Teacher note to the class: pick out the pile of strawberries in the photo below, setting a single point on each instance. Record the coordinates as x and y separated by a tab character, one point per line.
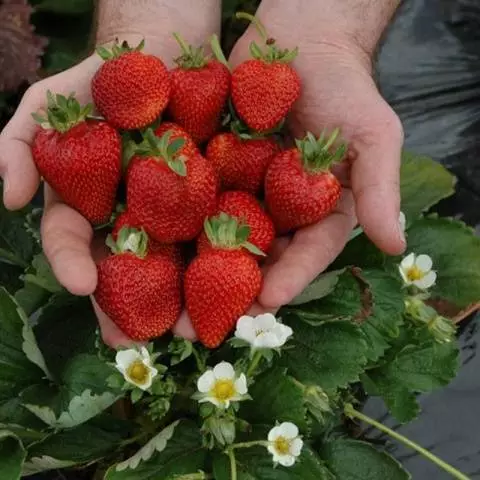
194	229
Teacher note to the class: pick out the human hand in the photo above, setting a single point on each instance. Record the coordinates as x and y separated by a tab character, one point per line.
337	91
66	235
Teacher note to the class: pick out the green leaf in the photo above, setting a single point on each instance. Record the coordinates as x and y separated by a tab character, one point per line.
354	460
322	286
276	397
41	274
256	464
413	369
386	316
178	452
331	355
17	245
44	463
17	372
423	183
455	252
12	456
31	297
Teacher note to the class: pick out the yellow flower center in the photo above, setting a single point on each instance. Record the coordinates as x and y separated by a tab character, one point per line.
282	445
223	390
415	273
259	332
138	372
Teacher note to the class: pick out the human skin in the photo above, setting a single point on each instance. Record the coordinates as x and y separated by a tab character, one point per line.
336	39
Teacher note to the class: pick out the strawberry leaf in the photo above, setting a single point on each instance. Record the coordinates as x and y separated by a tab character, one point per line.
354	460
12	455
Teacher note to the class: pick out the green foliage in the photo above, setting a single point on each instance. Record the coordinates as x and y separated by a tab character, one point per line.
12	455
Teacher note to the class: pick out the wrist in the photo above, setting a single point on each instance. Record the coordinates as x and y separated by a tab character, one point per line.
155	21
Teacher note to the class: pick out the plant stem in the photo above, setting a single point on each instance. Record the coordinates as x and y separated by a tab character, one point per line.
254	363
256	22
181	42
198	360
352	413
217	50
254	443
233	464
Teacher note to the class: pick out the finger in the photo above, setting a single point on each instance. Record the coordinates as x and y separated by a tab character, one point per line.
257	309
184	328
111	334
376	187
310	252
66	238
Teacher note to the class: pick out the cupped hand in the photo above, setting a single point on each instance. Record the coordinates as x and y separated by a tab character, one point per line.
337	91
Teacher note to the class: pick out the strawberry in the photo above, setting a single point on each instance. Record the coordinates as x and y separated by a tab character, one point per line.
131	89
169	250
139	291
169	191
200	88
246	209
79	158
221	284
265	88
241	163
188	148
299	188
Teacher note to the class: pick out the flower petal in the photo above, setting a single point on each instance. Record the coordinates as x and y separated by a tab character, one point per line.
274	433
224	370
296	446
283	333
265	321
403	274
241	384
288	430
272	450
424	263
267	340
408	261
125	358
245	329
145	354
427	281
206	382
286	460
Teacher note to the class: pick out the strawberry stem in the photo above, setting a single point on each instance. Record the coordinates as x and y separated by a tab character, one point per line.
62	113
129	240
317	154
191	57
226	232
118	49
217	50
256	22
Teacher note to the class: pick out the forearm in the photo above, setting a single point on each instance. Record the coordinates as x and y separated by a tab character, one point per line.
357	21
157	19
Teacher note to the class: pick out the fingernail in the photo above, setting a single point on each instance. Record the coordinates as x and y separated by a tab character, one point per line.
402	221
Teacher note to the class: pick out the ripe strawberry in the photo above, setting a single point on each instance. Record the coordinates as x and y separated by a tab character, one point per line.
188	148
221	284
169	191
299	188
247	211
79	158
265	88
170	250
241	163
200	88
139	291
131	89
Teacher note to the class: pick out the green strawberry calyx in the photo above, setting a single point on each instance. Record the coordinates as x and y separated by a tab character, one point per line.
164	149
118	49
191	57
271	53
129	240
226	232
318	155
62	112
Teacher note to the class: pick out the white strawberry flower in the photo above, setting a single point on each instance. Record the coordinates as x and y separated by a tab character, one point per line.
417	270
136	367
402	221
221	386
285	444
262	331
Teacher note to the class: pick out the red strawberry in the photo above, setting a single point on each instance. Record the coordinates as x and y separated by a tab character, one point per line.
188	148
79	158
170	194
221	285
265	88
200	88
131	89
246	210
299	188
139	291
170	250
241	163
